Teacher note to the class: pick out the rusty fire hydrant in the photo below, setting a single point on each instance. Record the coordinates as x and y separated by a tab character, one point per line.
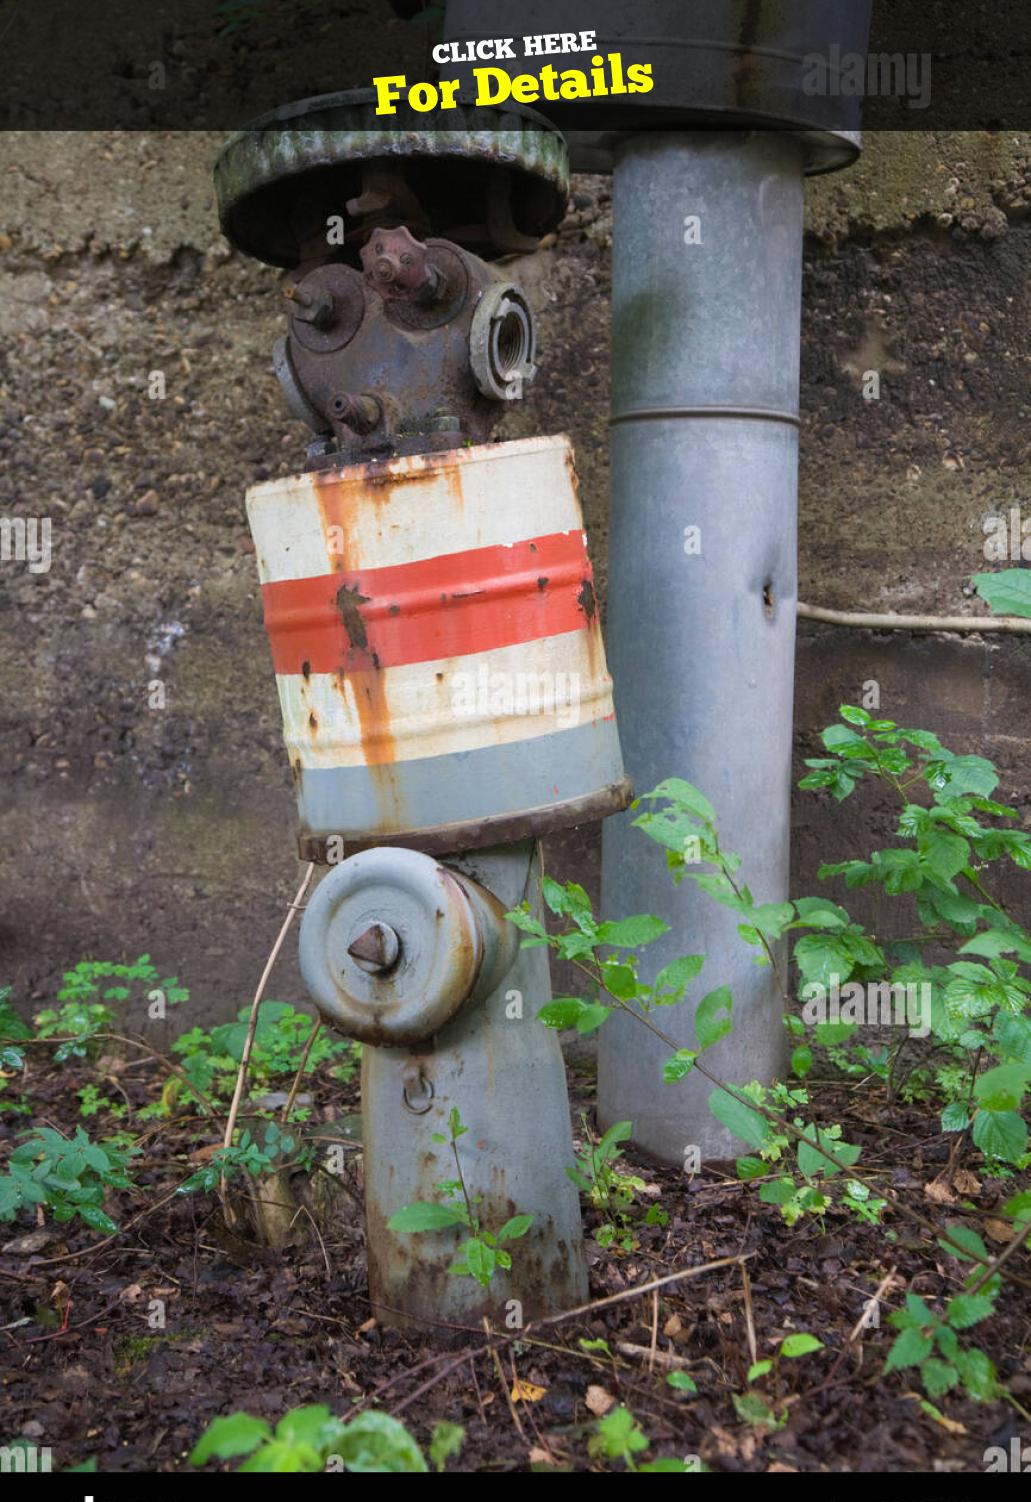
430	608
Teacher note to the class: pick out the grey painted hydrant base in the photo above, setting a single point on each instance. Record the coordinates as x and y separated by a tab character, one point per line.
503	1071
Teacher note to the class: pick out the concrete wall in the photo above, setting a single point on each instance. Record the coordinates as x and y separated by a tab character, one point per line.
127	827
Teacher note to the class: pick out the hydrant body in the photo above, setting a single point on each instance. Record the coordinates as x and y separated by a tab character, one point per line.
490	1061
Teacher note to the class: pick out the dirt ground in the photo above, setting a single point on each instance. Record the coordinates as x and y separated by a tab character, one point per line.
249	1329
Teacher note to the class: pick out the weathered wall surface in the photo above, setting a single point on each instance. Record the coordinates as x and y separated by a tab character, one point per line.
128	827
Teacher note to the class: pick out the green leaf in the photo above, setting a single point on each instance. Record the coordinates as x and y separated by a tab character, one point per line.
801	1061
978	1376
752	1409
378	1442
1019	1207
818	912
778	1191
738	1118
516	1227
954	1118
968	1309
800	1345
681	1381
96	1219
909	1349
524	920
445	1441
964	774
938	1376
1013	1035
476	1259
811	1161
1008	591
945	854
759	1369
678	1065
832	1034
712	1018
852	715
592	1017
608	1146
824	958
1001	1134
964	1244
678	974
423	1216
992	943
12	1027
632	933
619	979
771	918
685	795
1002	1088
563	1012
619	1435
312	1426
837	737
234	1434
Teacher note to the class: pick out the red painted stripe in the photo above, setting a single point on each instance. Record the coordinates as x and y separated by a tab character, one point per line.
449	606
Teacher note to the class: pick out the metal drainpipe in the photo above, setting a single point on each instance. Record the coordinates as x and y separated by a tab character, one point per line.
701	626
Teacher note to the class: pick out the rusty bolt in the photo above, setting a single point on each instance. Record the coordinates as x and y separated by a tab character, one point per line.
396	266
318	310
376	950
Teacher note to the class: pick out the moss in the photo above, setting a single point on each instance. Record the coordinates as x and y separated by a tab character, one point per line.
904	176
135	1348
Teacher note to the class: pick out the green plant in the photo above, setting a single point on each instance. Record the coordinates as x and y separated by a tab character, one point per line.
618	1436
69	1175
91	1101
211	1059
445	1441
682	821
976	1004
278	1149
12	1032
610	1191
922	1332
973	1013
88	1007
483	1252
311	1439
1007	591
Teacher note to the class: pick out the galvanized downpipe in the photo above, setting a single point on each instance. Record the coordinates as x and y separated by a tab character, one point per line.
702	582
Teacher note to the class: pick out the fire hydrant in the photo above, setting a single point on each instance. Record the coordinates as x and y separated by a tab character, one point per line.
431	612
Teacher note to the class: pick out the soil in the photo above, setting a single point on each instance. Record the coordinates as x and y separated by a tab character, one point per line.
250	1329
